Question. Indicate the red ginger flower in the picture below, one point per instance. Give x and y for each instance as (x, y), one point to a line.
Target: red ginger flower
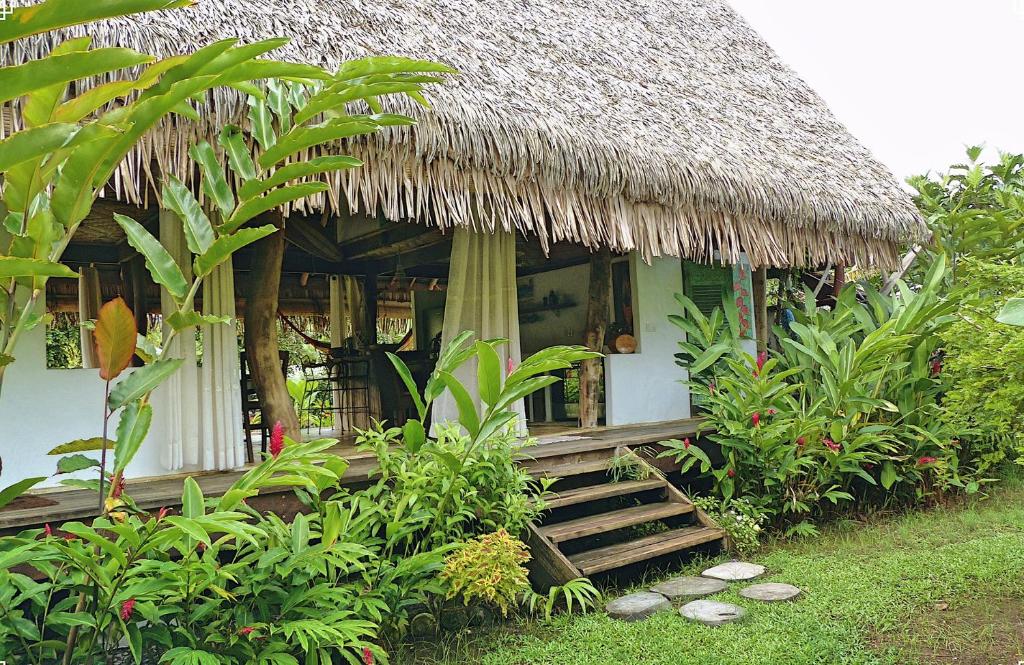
(246, 630)
(762, 358)
(127, 607)
(731, 473)
(686, 443)
(276, 439)
(921, 461)
(830, 444)
(510, 367)
(772, 412)
(801, 441)
(367, 656)
(118, 487)
(162, 513)
(47, 530)
(756, 418)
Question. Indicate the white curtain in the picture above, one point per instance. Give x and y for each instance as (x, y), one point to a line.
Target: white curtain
(347, 321)
(90, 299)
(198, 410)
(481, 297)
(221, 401)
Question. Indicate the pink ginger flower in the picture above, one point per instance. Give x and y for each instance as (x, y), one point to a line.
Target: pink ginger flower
(756, 419)
(162, 513)
(921, 461)
(48, 530)
(731, 473)
(276, 439)
(127, 607)
(367, 656)
(772, 412)
(801, 441)
(509, 368)
(831, 445)
(686, 443)
(246, 631)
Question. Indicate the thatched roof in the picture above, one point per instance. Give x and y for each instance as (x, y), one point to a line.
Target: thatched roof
(667, 126)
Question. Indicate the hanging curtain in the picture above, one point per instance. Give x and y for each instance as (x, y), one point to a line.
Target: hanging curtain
(176, 401)
(349, 406)
(199, 409)
(90, 299)
(481, 297)
(221, 402)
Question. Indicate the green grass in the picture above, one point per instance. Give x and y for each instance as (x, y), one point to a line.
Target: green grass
(910, 589)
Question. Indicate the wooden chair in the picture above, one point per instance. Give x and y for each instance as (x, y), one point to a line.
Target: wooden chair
(251, 405)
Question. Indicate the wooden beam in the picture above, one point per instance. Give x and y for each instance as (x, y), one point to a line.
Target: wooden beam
(759, 281)
(393, 237)
(598, 305)
(310, 237)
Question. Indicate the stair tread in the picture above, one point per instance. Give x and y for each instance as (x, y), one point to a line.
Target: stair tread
(621, 554)
(603, 491)
(572, 469)
(610, 521)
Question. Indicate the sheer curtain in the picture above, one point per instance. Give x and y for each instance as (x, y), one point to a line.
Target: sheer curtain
(347, 321)
(481, 297)
(198, 410)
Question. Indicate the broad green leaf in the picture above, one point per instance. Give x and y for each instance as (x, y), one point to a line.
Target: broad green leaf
(198, 230)
(274, 199)
(92, 99)
(214, 183)
(35, 142)
(889, 476)
(414, 435)
(488, 372)
(81, 445)
(161, 265)
(192, 505)
(142, 381)
(468, 417)
(360, 67)
(18, 80)
(75, 462)
(410, 383)
(301, 138)
(225, 246)
(233, 142)
(41, 103)
(43, 17)
(132, 428)
(115, 336)
(291, 172)
(262, 123)
(1012, 312)
(12, 492)
(12, 266)
(180, 321)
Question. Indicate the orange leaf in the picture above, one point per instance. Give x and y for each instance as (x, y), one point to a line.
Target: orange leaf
(115, 336)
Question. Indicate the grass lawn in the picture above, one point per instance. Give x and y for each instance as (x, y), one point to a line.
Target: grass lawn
(942, 586)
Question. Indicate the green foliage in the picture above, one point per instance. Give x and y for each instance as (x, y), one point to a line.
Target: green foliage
(848, 408)
(488, 568)
(578, 594)
(629, 465)
(740, 519)
(984, 365)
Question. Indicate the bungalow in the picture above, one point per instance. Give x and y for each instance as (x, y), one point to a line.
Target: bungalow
(590, 160)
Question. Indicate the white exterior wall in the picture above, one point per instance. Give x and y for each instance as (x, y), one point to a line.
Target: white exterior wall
(41, 408)
(646, 386)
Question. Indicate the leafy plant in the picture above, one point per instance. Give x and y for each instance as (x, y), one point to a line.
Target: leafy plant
(488, 568)
(740, 519)
(630, 465)
(579, 593)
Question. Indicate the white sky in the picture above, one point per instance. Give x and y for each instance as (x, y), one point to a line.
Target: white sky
(914, 80)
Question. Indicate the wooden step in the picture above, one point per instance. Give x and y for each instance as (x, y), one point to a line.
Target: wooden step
(616, 519)
(604, 491)
(649, 547)
(566, 470)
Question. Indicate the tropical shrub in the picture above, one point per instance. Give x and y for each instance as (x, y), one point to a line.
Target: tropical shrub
(849, 408)
(488, 568)
(739, 518)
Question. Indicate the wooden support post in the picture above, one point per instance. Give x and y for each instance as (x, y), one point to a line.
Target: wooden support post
(261, 346)
(759, 281)
(839, 280)
(134, 287)
(592, 371)
(370, 305)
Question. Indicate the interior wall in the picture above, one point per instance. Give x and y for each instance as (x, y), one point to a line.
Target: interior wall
(542, 329)
(428, 316)
(646, 386)
(41, 408)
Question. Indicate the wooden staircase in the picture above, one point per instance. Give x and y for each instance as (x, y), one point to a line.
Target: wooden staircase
(593, 524)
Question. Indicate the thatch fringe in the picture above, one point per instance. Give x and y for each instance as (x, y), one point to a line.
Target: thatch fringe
(694, 140)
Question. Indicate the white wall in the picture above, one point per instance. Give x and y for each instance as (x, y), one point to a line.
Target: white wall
(646, 386)
(41, 408)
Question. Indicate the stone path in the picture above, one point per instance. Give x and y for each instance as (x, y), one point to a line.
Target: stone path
(638, 606)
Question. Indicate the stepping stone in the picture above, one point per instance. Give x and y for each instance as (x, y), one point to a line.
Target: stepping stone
(734, 571)
(689, 587)
(711, 612)
(770, 592)
(637, 606)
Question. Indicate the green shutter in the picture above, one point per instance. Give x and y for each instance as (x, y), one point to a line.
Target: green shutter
(706, 285)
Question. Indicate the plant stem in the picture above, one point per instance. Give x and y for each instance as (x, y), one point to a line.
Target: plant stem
(103, 449)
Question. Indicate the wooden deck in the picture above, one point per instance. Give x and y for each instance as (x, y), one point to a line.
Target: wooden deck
(558, 448)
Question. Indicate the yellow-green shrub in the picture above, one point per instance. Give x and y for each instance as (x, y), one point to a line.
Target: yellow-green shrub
(488, 568)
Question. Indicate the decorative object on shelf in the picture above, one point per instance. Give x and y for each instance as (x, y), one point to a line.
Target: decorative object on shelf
(625, 343)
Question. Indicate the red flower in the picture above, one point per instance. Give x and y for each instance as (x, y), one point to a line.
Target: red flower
(762, 358)
(367, 656)
(772, 412)
(245, 631)
(162, 513)
(921, 461)
(731, 473)
(511, 366)
(118, 487)
(70, 536)
(831, 445)
(686, 445)
(47, 530)
(711, 387)
(801, 441)
(276, 439)
(200, 547)
(756, 418)
(936, 367)
(127, 607)
(869, 466)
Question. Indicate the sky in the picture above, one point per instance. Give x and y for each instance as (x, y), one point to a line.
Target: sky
(914, 80)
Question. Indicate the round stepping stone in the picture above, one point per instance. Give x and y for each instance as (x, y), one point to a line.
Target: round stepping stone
(637, 606)
(689, 587)
(770, 592)
(712, 612)
(734, 571)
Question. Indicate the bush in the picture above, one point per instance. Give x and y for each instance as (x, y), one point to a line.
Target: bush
(740, 520)
(488, 568)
